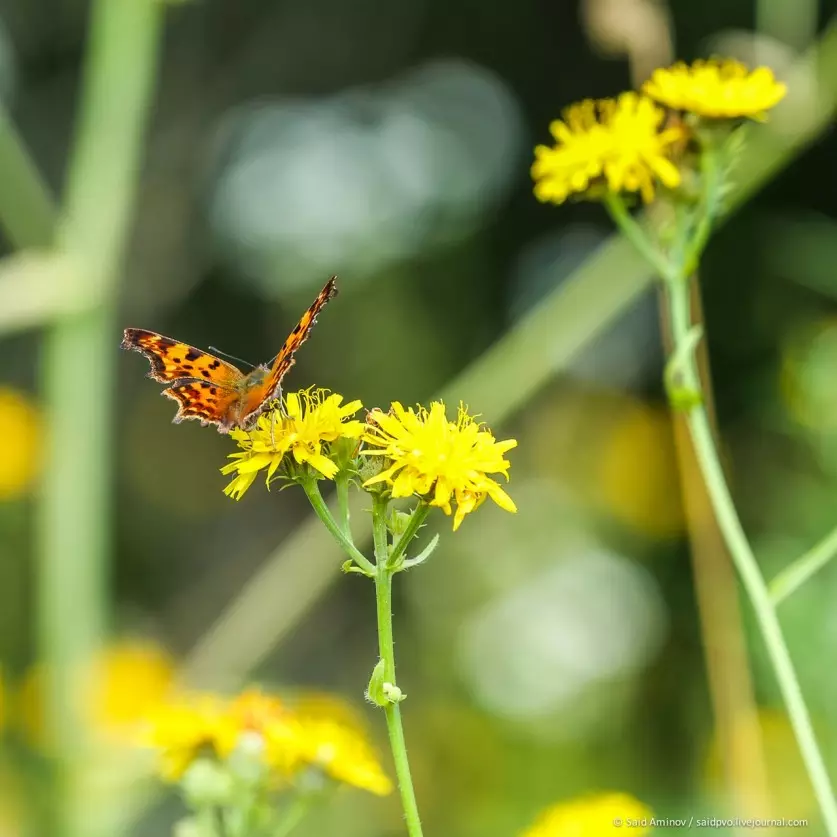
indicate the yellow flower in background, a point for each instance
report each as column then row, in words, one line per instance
column 615, row 144
column 117, row 690
column 341, row 750
column 442, row 461
column 591, row 816
column 716, row 89
column 300, row 431
column 308, row 735
column 20, row 443
column 191, row 727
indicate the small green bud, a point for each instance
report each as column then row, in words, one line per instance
column 398, row 522
column 206, row 783
column 393, row 694
column 246, row 762
column 189, row 827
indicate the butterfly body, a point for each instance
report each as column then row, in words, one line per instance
column 210, row 389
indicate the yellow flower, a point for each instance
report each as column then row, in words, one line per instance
column 342, row 752
column 439, row 460
column 617, row 144
column 117, row 690
column 20, row 443
column 295, row 738
column 591, row 816
column 184, row 730
column 716, row 89
column 298, row 432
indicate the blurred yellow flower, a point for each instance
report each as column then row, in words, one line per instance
column 294, row 739
column 117, row 690
column 20, row 443
column 591, row 816
column 439, row 460
column 716, row 89
column 343, row 753
column 298, row 431
column 609, row 144
column 636, row 475
column 184, row 730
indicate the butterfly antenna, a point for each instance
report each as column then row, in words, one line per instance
column 232, row 357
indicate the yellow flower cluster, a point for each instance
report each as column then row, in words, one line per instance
column 442, row 461
column 592, row 816
column 629, row 145
column 293, row 739
column 618, row 141
column 300, row 431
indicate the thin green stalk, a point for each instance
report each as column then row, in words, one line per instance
column 742, row 554
column 312, row 491
column 635, row 234
column 795, row 575
column 344, row 519
column 757, row 591
column 78, row 372
column 711, row 174
column 295, row 813
column 418, row 517
column 386, row 645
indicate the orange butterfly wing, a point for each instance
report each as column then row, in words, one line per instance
column 257, row 397
column 174, row 361
column 204, row 401
column 205, row 387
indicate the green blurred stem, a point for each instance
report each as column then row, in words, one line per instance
column 27, row 209
column 679, row 313
column 342, row 537
column 383, row 596
column 295, row 813
column 795, row 575
column 78, row 358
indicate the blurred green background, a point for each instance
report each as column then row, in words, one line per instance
column 545, row 655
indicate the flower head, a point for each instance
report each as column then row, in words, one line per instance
column 591, row 816
column 291, row 738
column 440, row 460
column 716, row 89
column 299, row 432
column 614, row 144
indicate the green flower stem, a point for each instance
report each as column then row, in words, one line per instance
column 78, row 372
column 418, row 517
column 342, row 482
column 733, row 532
column 312, row 491
column 383, row 595
column 635, row 234
column 711, row 175
column 795, row 575
column 294, row 814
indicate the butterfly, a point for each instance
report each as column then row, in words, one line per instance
column 210, row 389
